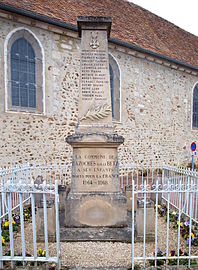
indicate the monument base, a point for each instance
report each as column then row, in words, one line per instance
column 102, row 234
column 95, row 199
column 95, row 210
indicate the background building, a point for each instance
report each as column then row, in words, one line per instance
column 153, row 71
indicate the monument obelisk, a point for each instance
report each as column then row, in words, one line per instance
column 95, row 198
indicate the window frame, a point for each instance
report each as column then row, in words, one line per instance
column 40, row 76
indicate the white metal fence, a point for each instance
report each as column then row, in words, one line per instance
column 173, row 221
column 174, row 192
column 27, row 174
column 51, row 172
column 13, row 175
column 18, row 187
column 187, row 178
column 136, row 172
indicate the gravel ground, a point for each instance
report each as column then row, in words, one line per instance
column 103, row 254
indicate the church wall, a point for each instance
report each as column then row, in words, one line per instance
column 156, row 112
column 39, row 138
column 155, row 106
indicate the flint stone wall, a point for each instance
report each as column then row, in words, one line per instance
column 156, row 105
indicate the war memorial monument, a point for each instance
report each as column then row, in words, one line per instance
column 95, row 198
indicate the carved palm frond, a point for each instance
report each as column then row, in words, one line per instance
column 98, row 113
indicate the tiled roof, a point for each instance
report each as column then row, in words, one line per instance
column 130, row 23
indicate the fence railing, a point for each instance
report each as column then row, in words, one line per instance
column 165, row 220
column 13, row 175
column 186, row 178
column 31, row 173
column 38, row 225
column 51, row 172
column 169, row 194
column 137, row 173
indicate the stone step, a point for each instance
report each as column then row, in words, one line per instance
column 103, row 234
column 95, row 268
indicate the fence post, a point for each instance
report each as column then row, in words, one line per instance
column 10, row 227
column 145, row 221
column 1, row 250
column 163, row 175
column 179, row 227
column 45, row 220
column 133, row 223
column 190, row 227
column 34, row 227
column 167, row 228
column 22, row 226
column 57, row 224
column 156, row 218
column 3, row 198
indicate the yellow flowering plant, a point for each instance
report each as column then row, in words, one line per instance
column 41, row 253
column 6, row 224
column 161, row 210
column 192, row 235
column 181, row 224
column 2, row 240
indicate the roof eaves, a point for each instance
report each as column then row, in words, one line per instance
column 56, row 22
column 141, row 50
column 37, row 16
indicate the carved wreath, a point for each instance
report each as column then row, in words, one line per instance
column 99, row 112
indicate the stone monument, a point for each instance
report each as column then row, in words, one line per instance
column 95, row 198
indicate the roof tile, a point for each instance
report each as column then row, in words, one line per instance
column 130, row 23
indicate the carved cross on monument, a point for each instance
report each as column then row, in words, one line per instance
column 95, row 198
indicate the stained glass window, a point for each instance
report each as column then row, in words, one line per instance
column 111, row 86
column 195, row 107
column 114, row 74
column 23, row 74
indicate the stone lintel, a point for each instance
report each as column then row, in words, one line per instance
column 94, row 22
column 101, row 139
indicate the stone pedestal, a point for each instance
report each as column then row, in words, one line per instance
column 95, row 198
column 150, row 220
column 51, row 223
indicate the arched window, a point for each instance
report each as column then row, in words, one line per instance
column 111, row 85
column 195, row 107
column 24, row 73
column 115, row 88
